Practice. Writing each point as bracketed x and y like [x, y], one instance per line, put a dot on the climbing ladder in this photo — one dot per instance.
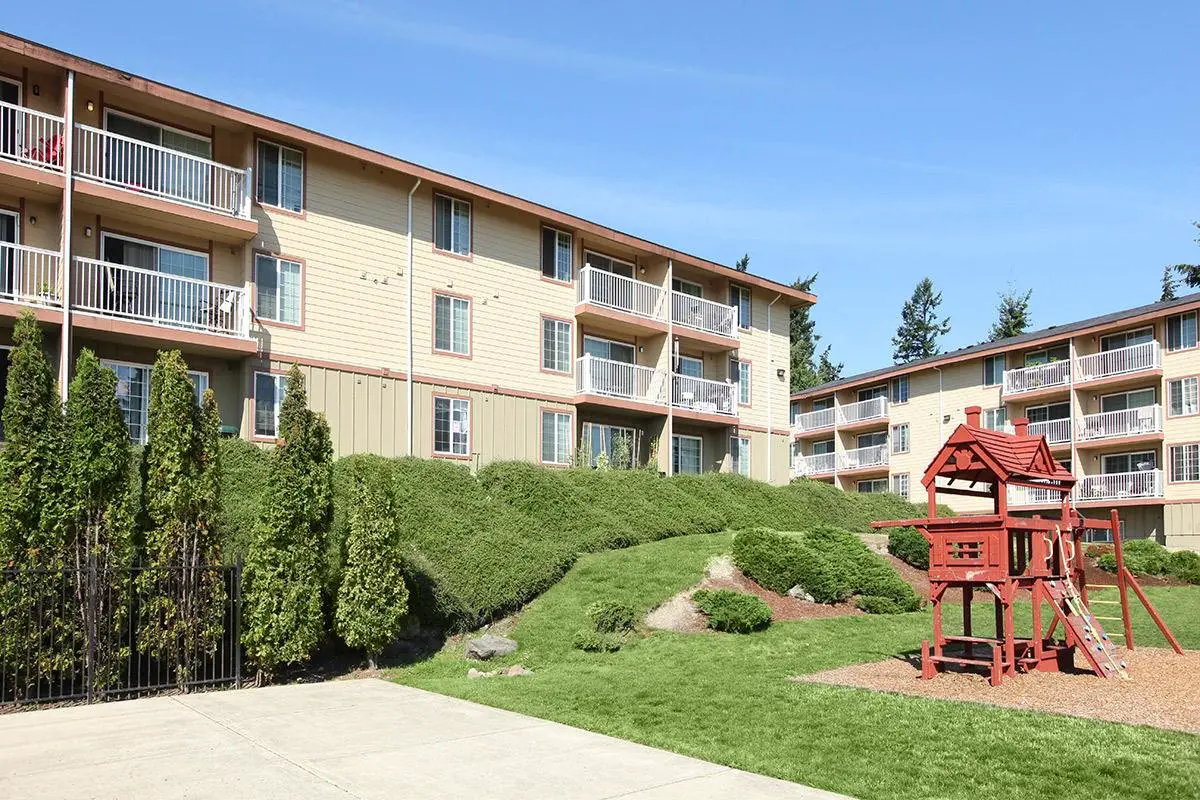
[1089, 635]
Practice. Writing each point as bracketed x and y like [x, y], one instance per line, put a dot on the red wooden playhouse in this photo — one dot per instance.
[1001, 555]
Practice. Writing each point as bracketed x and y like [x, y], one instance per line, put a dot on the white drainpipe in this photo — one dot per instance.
[408, 369]
[64, 356]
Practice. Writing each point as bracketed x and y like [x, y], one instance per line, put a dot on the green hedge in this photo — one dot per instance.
[732, 612]
[1148, 557]
[908, 545]
[244, 469]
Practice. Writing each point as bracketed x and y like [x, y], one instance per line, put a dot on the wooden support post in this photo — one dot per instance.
[1122, 585]
[967, 594]
[1010, 642]
[938, 641]
[997, 669]
[928, 668]
[1037, 621]
[1162, 626]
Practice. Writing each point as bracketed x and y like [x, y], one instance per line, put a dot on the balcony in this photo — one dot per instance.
[1056, 431]
[705, 317]
[813, 421]
[604, 298]
[819, 464]
[29, 276]
[1138, 358]
[863, 458]
[1039, 378]
[109, 159]
[705, 397]
[1108, 488]
[1144, 421]
[862, 413]
[180, 305]
[31, 138]
[1029, 496]
[618, 380]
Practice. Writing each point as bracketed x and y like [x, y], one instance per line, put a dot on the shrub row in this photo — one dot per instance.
[1148, 557]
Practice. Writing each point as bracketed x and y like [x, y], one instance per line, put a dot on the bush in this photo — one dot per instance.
[612, 617]
[1107, 562]
[874, 604]
[1146, 557]
[595, 642]
[1184, 565]
[244, 470]
[908, 545]
[733, 612]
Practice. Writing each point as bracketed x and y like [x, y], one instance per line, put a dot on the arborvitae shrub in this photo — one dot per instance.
[612, 617]
[1184, 565]
[732, 612]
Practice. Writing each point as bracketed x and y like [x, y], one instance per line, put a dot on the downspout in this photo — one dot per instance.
[408, 307]
[770, 365]
[670, 368]
[64, 355]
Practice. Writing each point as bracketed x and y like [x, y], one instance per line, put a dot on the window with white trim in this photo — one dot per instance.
[739, 373]
[269, 391]
[900, 484]
[1116, 341]
[900, 442]
[133, 395]
[687, 287]
[870, 394]
[996, 419]
[451, 426]
[451, 324]
[1185, 463]
[279, 176]
[556, 437]
[556, 254]
[1181, 331]
[618, 444]
[739, 454]
[739, 298]
[556, 345]
[1183, 396]
[451, 224]
[993, 370]
[199, 384]
[277, 289]
[899, 392]
[687, 455]
[872, 486]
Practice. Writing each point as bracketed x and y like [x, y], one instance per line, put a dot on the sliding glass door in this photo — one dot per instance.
[164, 168]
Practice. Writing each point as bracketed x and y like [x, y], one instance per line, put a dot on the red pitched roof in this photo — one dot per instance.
[1002, 456]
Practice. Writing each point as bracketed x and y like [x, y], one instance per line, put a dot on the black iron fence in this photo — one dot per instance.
[101, 633]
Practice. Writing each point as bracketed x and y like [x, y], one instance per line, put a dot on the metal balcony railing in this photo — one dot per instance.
[1041, 376]
[1056, 431]
[873, 456]
[701, 394]
[813, 420]
[607, 378]
[31, 138]
[1115, 424]
[704, 315]
[619, 293]
[863, 411]
[30, 276]
[819, 464]
[1122, 361]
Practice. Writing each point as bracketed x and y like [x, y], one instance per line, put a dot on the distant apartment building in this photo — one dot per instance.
[432, 316]
[1117, 398]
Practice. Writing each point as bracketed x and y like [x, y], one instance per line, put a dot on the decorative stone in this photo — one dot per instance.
[490, 646]
[799, 593]
[517, 669]
[474, 673]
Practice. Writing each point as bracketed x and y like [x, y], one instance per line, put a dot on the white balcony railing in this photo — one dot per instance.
[115, 290]
[110, 158]
[813, 420]
[704, 315]
[819, 464]
[31, 138]
[1113, 424]
[1056, 431]
[874, 456]
[29, 276]
[1042, 376]
[701, 394]
[1120, 486]
[601, 376]
[863, 411]
[617, 292]
[1122, 361]
[1029, 496]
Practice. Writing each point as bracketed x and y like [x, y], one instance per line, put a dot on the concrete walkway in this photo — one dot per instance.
[343, 739]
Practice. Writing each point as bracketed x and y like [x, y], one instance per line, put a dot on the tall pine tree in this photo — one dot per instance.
[1168, 285]
[917, 336]
[743, 263]
[807, 368]
[1190, 273]
[1012, 315]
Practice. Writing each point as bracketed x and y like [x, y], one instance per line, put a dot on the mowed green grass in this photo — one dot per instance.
[725, 697]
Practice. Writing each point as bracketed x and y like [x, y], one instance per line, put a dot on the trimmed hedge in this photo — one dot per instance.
[908, 545]
[244, 469]
[1148, 557]
[732, 612]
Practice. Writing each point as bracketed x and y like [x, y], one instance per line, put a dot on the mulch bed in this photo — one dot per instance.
[1164, 690]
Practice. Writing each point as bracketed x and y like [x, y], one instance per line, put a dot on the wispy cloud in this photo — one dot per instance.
[397, 26]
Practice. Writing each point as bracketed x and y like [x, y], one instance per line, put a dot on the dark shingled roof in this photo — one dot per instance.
[1004, 344]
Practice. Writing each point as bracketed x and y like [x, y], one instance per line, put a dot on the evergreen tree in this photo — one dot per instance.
[372, 600]
[827, 371]
[1168, 285]
[743, 263]
[284, 621]
[1013, 317]
[1190, 273]
[807, 368]
[917, 336]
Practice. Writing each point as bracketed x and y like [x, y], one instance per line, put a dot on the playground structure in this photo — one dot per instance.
[1003, 555]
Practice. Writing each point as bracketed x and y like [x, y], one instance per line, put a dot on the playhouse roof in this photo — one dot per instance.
[980, 455]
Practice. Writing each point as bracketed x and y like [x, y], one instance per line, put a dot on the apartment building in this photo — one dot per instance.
[432, 316]
[1115, 396]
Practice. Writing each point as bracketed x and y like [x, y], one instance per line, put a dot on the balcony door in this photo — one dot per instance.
[1116, 341]
[1048, 413]
[1124, 401]
[168, 167]
[612, 378]
[870, 394]
[9, 274]
[10, 120]
[1119, 463]
[138, 294]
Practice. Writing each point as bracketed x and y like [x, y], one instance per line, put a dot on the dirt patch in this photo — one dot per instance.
[1164, 690]
[918, 579]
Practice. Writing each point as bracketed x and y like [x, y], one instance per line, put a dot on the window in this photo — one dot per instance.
[133, 394]
[452, 324]
[1124, 401]
[556, 437]
[616, 443]
[900, 484]
[157, 172]
[277, 289]
[823, 404]
[1181, 331]
[556, 254]
[451, 224]
[1117, 463]
[739, 298]
[873, 486]
[269, 391]
[451, 426]
[608, 349]
[185, 303]
[1183, 397]
[739, 373]
[686, 455]
[280, 176]
[1115, 341]
[872, 393]
[556, 345]
[739, 454]
[607, 264]
[687, 287]
[1059, 353]
[899, 390]
[877, 439]
[1048, 413]
[199, 384]
[996, 419]
[900, 438]
[691, 367]
[1185, 463]
[823, 447]
[993, 370]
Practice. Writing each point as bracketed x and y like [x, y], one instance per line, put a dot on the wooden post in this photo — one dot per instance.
[967, 594]
[1114, 519]
[1037, 621]
[1010, 642]
[937, 624]
[928, 668]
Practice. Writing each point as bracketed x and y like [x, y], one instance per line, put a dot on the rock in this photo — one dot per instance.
[474, 673]
[517, 669]
[489, 646]
[799, 593]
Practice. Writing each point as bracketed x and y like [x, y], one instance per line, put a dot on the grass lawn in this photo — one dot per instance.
[724, 697]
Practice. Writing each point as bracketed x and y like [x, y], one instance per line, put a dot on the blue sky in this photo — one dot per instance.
[877, 143]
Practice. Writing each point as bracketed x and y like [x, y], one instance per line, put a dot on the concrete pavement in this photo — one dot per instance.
[342, 739]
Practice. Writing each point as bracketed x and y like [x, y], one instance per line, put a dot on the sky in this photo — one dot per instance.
[874, 143]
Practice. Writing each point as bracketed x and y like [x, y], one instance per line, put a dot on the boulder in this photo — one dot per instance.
[489, 646]
[799, 593]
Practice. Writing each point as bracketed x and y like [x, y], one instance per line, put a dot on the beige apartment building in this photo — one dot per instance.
[432, 316]
[1115, 396]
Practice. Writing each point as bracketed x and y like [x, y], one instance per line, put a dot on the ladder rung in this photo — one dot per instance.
[1114, 633]
[1118, 619]
[1106, 602]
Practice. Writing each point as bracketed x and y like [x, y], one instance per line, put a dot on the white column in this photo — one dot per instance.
[64, 355]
